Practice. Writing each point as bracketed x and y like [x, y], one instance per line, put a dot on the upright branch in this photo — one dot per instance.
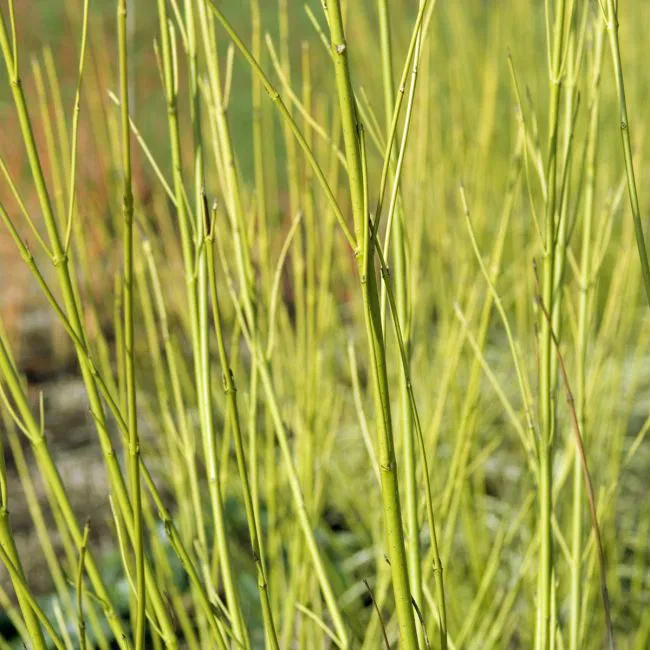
[545, 624]
[585, 314]
[580, 450]
[612, 30]
[128, 352]
[373, 321]
[233, 414]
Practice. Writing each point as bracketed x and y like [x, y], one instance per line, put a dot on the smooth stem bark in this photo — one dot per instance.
[171, 97]
[203, 360]
[233, 414]
[547, 382]
[129, 353]
[53, 479]
[31, 619]
[262, 362]
[60, 261]
[612, 30]
[373, 320]
[72, 321]
[255, 346]
[274, 95]
[584, 316]
[401, 285]
[293, 181]
[232, 186]
[259, 144]
[299, 503]
[17, 579]
[437, 564]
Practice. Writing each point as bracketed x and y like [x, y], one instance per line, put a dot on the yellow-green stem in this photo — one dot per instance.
[612, 29]
[233, 414]
[129, 338]
[545, 626]
[9, 545]
[372, 315]
[401, 284]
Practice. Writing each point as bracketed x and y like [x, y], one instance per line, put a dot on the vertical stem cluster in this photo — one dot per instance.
[612, 30]
[263, 367]
[129, 352]
[8, 544]
[584, 320]
[310, 531]
[401, 284]
[372, 314]
[233, 415]
[59, 257]
[203, 289]
[547, 382]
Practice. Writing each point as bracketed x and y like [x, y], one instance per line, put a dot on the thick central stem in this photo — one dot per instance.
[546, 375]
[129, 342]
[372, 314]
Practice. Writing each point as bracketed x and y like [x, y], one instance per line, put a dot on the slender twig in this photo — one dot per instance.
[233, 411]
[75, 129]
[357, 176]
[580, 449]
[379, 617]
[612, 30]
[423, 625]
[276, 99]
[81, 621]
[129, 336]
[545, 585]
